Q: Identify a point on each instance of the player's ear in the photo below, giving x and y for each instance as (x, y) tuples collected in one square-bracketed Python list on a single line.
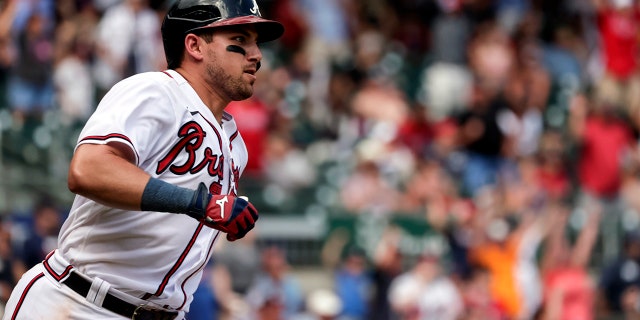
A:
[(193, 47)]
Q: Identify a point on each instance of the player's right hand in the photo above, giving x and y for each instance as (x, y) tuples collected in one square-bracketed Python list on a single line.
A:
[(230, 214), (233, 215)]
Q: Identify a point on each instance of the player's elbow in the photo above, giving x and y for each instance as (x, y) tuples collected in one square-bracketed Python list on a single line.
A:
[(74, 180), (80, 178), (84, 168)]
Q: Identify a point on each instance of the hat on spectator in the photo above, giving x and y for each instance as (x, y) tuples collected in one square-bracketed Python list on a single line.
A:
[(324, 303)]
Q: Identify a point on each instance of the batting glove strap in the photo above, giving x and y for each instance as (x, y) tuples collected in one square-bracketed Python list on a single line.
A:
[(199, 202)]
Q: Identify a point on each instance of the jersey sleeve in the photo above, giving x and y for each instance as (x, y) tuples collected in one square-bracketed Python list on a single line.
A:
[(135, 112)]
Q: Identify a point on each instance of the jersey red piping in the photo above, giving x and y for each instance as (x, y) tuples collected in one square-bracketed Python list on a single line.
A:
[(52, 272), (233, 136), (214, 130), (184, 294), (111, 136), (175, 267)]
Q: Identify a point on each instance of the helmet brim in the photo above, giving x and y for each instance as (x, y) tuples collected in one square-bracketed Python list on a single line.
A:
[(268, 30)]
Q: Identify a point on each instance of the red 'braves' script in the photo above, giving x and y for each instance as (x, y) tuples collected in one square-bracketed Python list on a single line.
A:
[(191, 138)]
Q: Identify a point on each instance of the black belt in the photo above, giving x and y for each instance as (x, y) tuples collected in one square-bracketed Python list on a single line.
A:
[(114, 304)]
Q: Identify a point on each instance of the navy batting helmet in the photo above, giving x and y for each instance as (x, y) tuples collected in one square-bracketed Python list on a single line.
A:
[(186, 16)]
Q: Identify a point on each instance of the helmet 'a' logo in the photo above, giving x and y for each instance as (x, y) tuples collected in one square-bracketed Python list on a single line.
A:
[(254, 10)]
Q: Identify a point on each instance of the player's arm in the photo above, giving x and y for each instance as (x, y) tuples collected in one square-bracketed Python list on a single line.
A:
[(107, 174)]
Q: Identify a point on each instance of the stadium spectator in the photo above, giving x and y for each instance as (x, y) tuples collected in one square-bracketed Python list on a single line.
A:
[(426, 291), (73, 82), (327, 44), (388, 263), (507, 248), (522, 190), (7, 13), (255, 130), (618, 22), (482, 140), (276, 293), (322, 304), (447, 81), (510, 13), (366, 191), (479, 302), (569, 292), (522, 121), (290, 13), (620, 279), (430, 193), (416, 132), (138, 47), (41, 235), (604, 139), (241, 259), (205, 304), (353, 285), (9, 270), (553, 171), (288, 166), (30, 88)]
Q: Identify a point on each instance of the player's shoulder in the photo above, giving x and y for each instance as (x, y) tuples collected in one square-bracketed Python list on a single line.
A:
[(149, 77), (140, 89), (146, 81)]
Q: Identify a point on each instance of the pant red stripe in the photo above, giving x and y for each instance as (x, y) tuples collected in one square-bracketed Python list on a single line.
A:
[(24, 294)]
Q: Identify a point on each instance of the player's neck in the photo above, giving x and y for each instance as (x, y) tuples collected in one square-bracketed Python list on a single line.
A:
[(207, 94)]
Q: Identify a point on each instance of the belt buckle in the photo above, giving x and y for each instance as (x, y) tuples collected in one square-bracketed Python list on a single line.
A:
[(135, 312)]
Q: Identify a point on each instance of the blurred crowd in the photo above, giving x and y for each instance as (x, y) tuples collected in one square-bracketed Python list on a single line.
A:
[(511, 126)]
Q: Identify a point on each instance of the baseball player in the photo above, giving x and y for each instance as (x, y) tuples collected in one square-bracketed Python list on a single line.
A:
[(155, 171)]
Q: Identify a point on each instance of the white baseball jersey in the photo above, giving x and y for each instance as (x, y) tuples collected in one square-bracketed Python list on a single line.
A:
[(154, 256)]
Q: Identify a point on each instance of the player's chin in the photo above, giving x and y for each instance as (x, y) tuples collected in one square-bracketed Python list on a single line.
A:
[(244, 93)]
